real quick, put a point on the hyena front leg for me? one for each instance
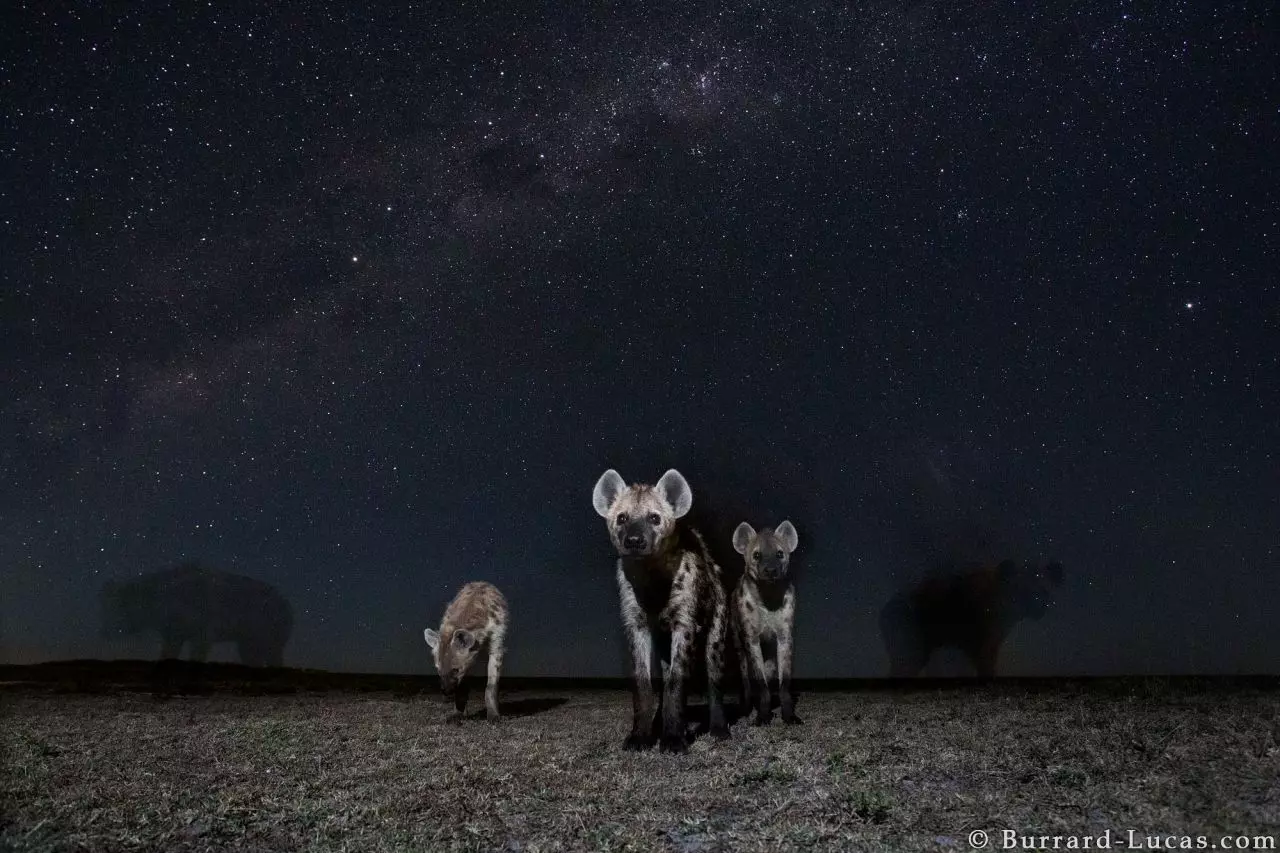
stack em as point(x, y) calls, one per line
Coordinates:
point(984, 656)
point(760, 681)
point(785, 648)
point(640, 642)
point(497, 646)
point(673, 736)
point(642, 698)
point(718, 727)
point(459, 700)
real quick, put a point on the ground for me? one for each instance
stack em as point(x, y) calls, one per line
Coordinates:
point(870, 769)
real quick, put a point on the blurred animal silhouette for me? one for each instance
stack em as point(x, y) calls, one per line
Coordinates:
point(669, 586)
point(194, 605)
point(475, 621)
point(764, 612)
point(973, 610)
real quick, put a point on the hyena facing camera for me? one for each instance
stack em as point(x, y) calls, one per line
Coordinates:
point(764, 611)
point(475, 621)
point(669, 586)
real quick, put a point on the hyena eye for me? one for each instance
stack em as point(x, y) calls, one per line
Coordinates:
point(778, 555)
point(655, 519)
point(755, 555)
point(622, 518)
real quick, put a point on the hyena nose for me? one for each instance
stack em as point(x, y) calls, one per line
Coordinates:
point(633, 541)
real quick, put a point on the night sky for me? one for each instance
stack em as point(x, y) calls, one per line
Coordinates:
point(361, 303)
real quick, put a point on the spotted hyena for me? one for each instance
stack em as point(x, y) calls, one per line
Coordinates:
point(191, 605)
point(474, 622)
point(672, 593)
point(972, 609)
point(764, 613)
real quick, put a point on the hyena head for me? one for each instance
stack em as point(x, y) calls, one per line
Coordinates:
point(641, 518)
point(1031, 589)
point(454, 650)
point(767, 552)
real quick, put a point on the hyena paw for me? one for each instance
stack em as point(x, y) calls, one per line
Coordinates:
point(790, 718)
point(638, 742)
point(721, 731)
point(764, 716)
point(674, 743)
point(492, 716)
point(455, 718)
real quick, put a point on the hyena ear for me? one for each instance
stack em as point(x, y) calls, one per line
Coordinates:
point(675, 488)
point(742, 537)
point(607, 489)
point(787, 535)
point(432, 638)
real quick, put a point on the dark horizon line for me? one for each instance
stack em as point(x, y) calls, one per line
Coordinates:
point(131, 671)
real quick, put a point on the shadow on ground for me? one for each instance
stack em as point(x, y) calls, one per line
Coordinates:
point(529, 707)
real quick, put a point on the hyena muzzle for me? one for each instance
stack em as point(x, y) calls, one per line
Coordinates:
point(669, 586)
point(764, 612)
point(474, 622)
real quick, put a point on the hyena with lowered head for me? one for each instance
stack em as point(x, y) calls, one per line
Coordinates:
point(764, 612)
point(668, 585)
point(475, 621)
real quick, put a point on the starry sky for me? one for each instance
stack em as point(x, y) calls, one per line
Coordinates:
point(361, 303)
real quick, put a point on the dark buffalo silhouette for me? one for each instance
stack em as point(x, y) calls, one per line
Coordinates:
point(972, 609)
point(201, 606)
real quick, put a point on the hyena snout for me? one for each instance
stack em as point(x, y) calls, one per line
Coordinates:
point(772, 567)
point(636, 539)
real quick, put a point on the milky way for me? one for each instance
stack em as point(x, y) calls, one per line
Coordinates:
point(362, 304)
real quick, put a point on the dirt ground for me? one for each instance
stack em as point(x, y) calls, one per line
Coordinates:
point(878, 769)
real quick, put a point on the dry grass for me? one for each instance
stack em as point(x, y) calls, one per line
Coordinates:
point(878, 769)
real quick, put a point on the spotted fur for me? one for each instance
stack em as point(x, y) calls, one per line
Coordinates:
point(669, 586)
point(474, 622)
point(764, 613)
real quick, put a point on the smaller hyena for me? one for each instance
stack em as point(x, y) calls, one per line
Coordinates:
point(475, 620)
point(764, 611)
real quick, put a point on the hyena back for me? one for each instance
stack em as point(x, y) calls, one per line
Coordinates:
point(668, 585)
point(764, 611)
point(475, 621)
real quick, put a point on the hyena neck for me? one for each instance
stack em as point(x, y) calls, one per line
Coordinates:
point(771, 594)
point(651, 576)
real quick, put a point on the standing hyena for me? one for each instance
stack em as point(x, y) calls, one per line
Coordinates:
point(669, 585)
point(195, 605)
point(972, 609)
point(475, 620)
point(764, 611)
